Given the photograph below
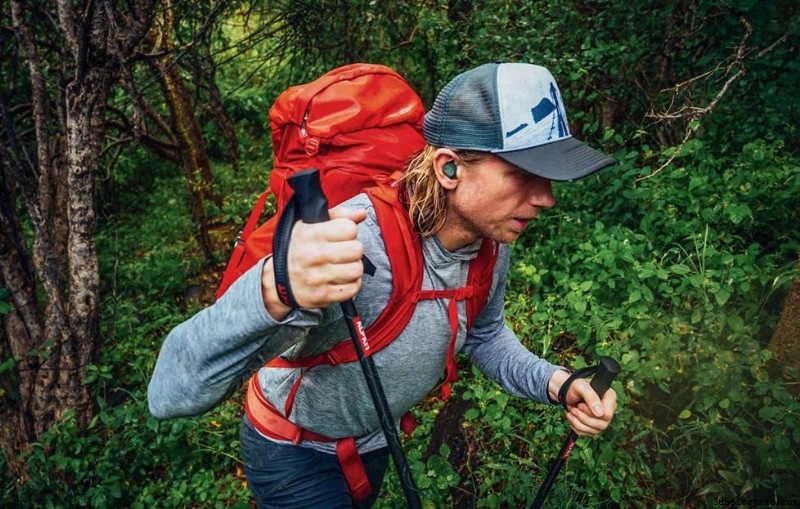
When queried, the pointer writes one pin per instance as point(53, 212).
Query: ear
point(441, 157)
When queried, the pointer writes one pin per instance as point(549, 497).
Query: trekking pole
point(313, 208)
point(604, 375)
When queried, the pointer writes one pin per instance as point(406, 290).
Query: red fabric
point(408, 423)
point(353, 469)
point(353, 124)
point(404, 250)
point(268, 421)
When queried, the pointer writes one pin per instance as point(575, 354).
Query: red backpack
point(359, 125)
point(353, 124)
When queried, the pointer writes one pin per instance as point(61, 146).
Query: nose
point(541, 194)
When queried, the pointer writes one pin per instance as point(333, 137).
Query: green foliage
point(682, 290)
point(127, 458)
point(680, 276)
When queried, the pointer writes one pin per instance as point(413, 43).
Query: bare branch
point(694, 113)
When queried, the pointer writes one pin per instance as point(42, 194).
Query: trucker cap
point(514, 111)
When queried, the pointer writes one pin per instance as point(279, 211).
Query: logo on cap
point(541, 111)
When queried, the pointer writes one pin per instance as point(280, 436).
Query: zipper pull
point(303, 131)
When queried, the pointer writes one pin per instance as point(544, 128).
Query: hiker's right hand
point(324, 263)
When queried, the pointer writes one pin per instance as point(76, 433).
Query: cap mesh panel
point(466, 113)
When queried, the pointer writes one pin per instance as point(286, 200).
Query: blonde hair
point(421, 192)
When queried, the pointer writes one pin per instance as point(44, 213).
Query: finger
point(345, 252)
point(355, 216)
point(582, 390)
point(580, 428)
point(590, 421)
point(586, 424)
point(336, 230)
point(345, 273)
point(609, 407)
point(610, 402)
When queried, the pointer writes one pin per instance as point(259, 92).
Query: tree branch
point(694, 113)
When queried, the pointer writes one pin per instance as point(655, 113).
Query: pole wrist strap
point(581, 373)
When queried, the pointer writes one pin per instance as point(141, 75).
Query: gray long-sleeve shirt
point(204, 359)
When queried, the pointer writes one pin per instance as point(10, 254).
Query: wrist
point(554, 385)
point(269, 293)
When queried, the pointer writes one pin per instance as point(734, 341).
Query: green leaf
point(7, 365)
point(735, 322)
point(685, 414)
point(471, 414)
point(768, 412)
point(739, 213)
point(680, 269)
point(696, 280)
point(722, 295)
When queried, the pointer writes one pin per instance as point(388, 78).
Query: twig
point(694, 113)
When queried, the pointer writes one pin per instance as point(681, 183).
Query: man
point(497, 136)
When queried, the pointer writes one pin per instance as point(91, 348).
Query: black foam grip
point(309, 204)
point(606, 371)
point(313, 205)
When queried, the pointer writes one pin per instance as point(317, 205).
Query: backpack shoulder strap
point(404, 251)
point(481, 274)
point(403, 247)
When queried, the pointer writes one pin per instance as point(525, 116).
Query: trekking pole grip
point(310, 199)
point(606, 371)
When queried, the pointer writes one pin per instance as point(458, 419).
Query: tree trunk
point(191, 150)
point(197, 63)
point(53, 343)
point(785, 342)
point(85, 104)
point(189, 139)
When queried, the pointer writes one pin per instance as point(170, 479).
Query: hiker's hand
point(587, 414)
point(324, 262)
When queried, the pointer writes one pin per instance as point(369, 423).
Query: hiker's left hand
point(587, 414)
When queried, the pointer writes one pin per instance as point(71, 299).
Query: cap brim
point(561, 160)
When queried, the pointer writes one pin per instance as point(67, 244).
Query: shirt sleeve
point(497, 351)
point(204, 359)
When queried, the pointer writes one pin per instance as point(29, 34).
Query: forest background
point(135, 142)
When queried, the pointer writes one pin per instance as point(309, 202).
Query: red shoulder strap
point(405, 258)
point(403, 247)
point(481, 272)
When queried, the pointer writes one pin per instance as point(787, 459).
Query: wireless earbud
point(449, 169)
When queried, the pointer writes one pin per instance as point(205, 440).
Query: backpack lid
point(351, 98)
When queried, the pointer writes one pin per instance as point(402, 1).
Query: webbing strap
point(266, 419)
point(353, 468)
point(451, 373)
point(252, 221)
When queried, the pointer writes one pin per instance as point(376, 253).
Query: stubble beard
point(466, 224)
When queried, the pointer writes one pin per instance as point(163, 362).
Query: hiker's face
point(494, 199)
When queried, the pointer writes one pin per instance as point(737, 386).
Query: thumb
point(589, 396)
point(356, 215)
